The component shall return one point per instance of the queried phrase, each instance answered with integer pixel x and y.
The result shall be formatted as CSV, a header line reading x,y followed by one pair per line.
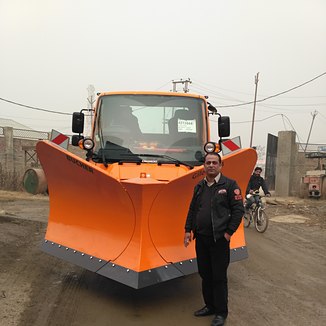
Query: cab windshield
x,y
150,128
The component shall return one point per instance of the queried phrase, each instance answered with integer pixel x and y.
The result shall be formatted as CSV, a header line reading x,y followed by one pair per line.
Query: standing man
x,y
215,213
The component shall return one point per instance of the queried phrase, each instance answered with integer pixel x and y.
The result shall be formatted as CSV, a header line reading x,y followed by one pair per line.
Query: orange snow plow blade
x,y
126,221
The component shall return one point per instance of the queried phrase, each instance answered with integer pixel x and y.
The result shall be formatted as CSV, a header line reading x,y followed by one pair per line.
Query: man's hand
x,y
187,239
227,236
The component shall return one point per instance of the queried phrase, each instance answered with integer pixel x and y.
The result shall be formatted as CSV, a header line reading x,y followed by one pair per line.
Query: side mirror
x,y
78,122
224,126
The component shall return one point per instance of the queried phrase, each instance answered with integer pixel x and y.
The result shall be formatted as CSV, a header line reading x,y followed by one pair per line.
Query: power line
x,y
275,95
224,89
218,95
269,117
221,97
158,88
316,96
283,122
219,106
283,116
310,104
265,107
260,120
250,94
34,108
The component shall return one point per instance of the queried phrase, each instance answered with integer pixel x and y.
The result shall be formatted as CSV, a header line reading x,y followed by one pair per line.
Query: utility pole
x,y
183,82
254,111
312,122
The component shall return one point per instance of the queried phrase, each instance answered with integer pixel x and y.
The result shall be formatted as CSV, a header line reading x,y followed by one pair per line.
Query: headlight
x,y
88,144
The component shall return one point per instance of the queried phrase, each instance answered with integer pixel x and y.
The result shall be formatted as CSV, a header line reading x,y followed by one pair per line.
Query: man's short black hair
x,y
215,154
258,168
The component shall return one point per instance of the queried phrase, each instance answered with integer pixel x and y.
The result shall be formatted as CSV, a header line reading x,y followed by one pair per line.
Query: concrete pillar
x,y
9,148
285,164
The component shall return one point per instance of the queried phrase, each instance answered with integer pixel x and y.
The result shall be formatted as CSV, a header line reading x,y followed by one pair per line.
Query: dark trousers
x,y
213,259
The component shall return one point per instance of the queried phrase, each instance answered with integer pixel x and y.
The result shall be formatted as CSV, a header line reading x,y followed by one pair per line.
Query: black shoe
x,y
205,311
218,321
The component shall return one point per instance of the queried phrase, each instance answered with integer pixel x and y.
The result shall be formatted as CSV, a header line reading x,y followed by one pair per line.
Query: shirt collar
x,y
216,180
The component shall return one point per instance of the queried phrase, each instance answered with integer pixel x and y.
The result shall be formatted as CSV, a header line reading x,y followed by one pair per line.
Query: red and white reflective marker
x,y
59,139
231,145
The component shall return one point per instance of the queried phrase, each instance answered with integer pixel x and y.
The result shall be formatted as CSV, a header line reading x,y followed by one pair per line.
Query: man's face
x,y
212,166
257,173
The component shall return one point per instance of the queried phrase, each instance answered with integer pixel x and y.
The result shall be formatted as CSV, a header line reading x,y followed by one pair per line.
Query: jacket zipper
x,y
212,216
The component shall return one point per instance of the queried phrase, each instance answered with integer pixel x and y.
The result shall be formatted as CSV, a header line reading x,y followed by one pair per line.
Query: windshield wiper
x,y
114,153
171,160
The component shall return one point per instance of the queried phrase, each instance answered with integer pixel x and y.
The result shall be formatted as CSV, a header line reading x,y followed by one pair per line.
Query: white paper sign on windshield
x,y
187,126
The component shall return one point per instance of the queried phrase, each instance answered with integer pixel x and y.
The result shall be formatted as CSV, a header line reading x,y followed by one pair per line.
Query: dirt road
x,y
282,283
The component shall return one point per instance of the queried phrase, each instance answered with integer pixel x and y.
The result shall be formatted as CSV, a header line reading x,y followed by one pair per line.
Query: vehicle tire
x,y
246,219
261,220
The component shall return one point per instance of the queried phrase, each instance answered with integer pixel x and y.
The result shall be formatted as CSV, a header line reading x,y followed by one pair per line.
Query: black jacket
x,y
227,207
255,183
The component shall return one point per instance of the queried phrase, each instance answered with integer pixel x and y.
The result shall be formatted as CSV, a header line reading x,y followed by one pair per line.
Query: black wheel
x,y
246,219
261,220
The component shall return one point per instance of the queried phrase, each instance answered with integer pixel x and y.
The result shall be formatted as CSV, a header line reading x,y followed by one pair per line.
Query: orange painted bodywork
x,y
114,214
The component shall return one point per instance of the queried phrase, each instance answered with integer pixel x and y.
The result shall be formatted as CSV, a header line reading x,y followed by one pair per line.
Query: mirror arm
x,y
212,109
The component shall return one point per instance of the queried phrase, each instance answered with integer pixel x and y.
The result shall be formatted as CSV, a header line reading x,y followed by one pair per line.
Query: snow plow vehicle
x,y
121,211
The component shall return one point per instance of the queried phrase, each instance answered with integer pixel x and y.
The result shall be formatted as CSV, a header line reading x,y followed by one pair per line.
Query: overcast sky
x,y
52,50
